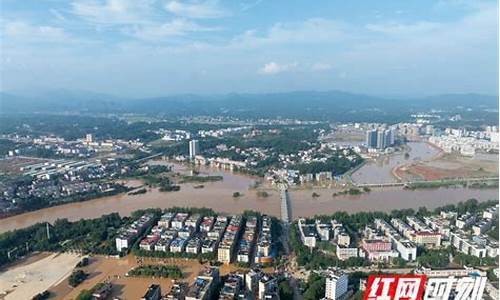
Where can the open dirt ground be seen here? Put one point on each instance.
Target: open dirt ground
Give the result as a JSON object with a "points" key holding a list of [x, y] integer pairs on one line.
{"points": [[36, 274], [450, 166]]}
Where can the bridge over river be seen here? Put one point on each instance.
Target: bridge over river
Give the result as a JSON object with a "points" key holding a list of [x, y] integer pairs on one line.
{"points": [[430, 182]]}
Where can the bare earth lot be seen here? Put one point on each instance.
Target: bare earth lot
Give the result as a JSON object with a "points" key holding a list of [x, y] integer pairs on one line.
{"points": [[450, 166], [35, 275]]}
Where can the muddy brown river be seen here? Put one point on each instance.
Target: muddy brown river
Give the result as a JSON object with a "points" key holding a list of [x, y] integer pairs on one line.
{"points": [[219, 197]]}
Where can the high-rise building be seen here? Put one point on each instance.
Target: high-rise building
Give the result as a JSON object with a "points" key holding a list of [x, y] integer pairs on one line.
{"points": [[336, 285], [89, 138], [194, 148], [381, 138], [387, 138], [371, 138], [392, 136]]}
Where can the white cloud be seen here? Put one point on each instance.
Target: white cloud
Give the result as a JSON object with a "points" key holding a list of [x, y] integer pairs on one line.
{"points": [[311, 31], [29, 32], [249, 4], [196, 10], [321, 67], [275, 68], [57, 15], [113, 11], [176, 27], [405, 29]]}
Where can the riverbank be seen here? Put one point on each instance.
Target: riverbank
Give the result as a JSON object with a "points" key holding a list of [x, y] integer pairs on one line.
{"points": [[219, 197]]}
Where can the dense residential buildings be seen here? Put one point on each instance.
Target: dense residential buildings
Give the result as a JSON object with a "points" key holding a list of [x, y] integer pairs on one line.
{"points": [[127, 235]]}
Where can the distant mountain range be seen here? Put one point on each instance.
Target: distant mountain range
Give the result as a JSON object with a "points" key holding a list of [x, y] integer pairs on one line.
{"points": [[303, 104]]}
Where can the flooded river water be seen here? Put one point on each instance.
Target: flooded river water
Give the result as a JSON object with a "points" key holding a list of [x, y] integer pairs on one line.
{"points": [[379, 170], [219, 197]]}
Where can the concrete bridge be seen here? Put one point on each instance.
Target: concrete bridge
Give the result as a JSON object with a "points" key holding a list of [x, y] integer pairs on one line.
{"points": [[443, 181], [285, 209]]}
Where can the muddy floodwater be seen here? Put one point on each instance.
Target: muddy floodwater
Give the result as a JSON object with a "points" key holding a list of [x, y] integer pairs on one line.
{"points": [[219, 197], [380, 170]]}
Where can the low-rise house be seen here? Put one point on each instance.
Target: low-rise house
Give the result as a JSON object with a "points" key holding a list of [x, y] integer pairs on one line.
{"points": [[178, 245], [204, 285], [481, 226], [346, 252], [193, 245], [163, 245], [178, 220]]}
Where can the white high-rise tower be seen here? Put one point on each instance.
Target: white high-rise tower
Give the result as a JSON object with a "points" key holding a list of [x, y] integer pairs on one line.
{"points": [[194, 148]]}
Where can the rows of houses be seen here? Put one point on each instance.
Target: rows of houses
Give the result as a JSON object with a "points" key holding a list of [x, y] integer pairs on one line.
{"points": [[333, 231], [227, 239], [385, 240], [126, 236]]}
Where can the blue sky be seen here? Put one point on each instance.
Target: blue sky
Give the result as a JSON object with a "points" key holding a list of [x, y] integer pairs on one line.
{"points": [[148, 48]]}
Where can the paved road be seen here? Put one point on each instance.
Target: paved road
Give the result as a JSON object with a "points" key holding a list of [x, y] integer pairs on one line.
{"points": [[457, 180], [285, 210]]}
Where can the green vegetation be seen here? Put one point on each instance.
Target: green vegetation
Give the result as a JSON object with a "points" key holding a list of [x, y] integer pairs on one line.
{"points": [[41, 296], [138, 192], [285, 290], [163, 183], [34, 203], [433, 184], [262, 194], [352, 192], [77, 277], [236, 194], [6, 146], [200, 179], [87, 294], [316, 259], [315, 195], [474, 261], [483, 185], [434, 258], [337, 164], [327, 246], [450, 183], [139, 170], [315, 288], [491, 275], [169, 187], [493, 232], [89, 236], [157, 271], [399, 262]]}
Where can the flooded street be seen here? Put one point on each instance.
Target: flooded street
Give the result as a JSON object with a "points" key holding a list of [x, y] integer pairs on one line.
{"points": [[379, 171]]}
